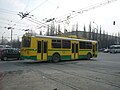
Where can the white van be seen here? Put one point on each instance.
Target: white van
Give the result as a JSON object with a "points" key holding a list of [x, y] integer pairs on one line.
{"points": [[115, 49]]}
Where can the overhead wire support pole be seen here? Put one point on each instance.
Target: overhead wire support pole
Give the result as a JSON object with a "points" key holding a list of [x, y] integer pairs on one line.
{"points": [[11, 36], [10, 28], [2, 38]]}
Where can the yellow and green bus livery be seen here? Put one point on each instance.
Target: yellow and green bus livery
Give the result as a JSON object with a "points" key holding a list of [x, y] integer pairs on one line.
{"points": [[54, 48]]}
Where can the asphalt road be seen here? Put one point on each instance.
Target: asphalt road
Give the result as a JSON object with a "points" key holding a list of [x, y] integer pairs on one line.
{"points": [[102, 73]]}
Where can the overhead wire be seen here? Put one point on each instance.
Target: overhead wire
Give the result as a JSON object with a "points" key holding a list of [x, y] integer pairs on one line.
{"points": [[38, 6], [35, 21], [23, 15], [38, 21], [14, 28], [81, 11], [28, 1], [57, 6], [8, 10], [4, 22], [10, 25], [5, 12], [97, 5], [73, 13]]}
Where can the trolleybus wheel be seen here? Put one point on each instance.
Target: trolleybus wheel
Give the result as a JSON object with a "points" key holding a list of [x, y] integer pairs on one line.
{"points": [[88, 56], [56, 58]]}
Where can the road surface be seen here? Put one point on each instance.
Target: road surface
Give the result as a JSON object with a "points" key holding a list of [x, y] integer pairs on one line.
{"points": [[102, 73]]}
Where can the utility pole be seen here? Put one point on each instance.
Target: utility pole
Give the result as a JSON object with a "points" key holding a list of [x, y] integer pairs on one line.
{"points": [[11, 36], [2, 38], [10, 28]]}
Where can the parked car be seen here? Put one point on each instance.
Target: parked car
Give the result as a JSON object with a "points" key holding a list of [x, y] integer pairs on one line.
{"points": [[101, 50], [5, 46], [106, 50], [7, 53]]}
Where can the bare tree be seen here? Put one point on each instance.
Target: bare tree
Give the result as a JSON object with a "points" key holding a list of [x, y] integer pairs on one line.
{"points": [[84, 32], [77, 29], [89, 35], [48, 30]]}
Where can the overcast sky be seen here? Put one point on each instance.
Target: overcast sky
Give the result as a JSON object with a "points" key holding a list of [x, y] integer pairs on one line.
{"points": [[41, 9]]}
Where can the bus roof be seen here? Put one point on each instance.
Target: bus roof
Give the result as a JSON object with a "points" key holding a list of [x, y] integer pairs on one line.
{"points": [[115, 46], [65, 38]]}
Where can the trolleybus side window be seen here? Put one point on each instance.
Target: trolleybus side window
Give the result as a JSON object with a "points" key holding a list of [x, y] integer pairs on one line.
{"points": [[85, 45], [82, 45], [88, 45], [66, 44], [56, 43]]}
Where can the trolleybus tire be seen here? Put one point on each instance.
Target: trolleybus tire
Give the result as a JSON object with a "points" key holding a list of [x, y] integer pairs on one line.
{"points": [[56, 58], [89, 56]]}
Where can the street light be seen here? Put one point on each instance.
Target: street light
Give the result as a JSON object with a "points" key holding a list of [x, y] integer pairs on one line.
{"points": [[10, 28]]}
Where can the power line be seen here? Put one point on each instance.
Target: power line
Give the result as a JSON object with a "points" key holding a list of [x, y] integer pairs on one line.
{"points": [[6, 20], [23, 15], [5, 12], [69, 15], [8, 10], [38, 6], [26, 5], [35, 21], [81, 11], [18, 24], [76, 13], [56, 8]]}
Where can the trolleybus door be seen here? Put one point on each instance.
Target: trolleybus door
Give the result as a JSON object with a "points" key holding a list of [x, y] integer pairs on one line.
{"points": [[42, 50], [94, 49], [74, 50]]}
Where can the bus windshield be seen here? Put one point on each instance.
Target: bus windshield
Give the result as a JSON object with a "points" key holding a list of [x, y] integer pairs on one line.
{"points": [[26, 42]]}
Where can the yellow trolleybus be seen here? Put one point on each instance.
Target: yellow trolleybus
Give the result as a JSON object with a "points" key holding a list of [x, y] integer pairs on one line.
{"points": [[54, 48]]}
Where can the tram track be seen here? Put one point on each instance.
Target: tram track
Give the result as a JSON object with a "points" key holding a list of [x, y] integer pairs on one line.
{"points": [[90, 68], [79, 76], [56, 80], [74, 87]]}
